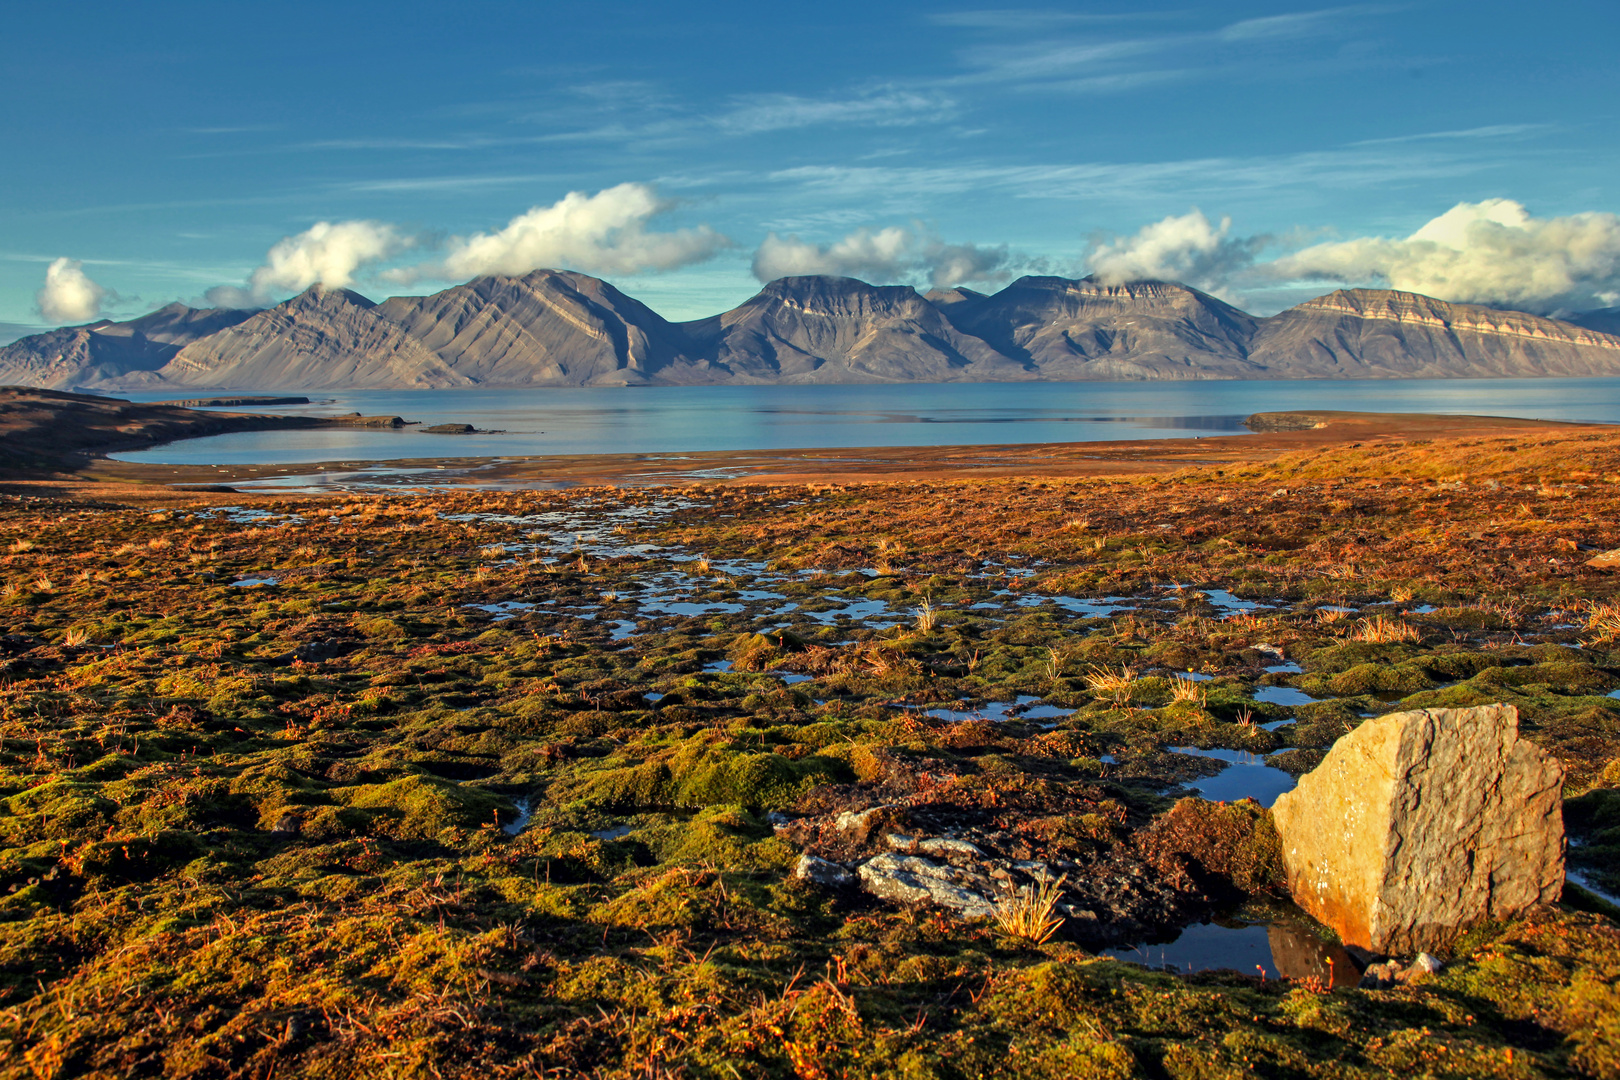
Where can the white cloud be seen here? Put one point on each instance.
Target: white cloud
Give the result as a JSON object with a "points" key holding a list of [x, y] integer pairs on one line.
{"points": [[1491, 252], [1188, 249], [68, 295], [886, 255], [605, 233], [886, 108], [326, 253]]}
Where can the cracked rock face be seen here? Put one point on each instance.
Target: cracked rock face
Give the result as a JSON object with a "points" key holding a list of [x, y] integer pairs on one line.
{"points": [[1420, 824]]}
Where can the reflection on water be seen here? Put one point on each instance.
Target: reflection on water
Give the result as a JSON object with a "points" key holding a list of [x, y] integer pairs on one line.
{"points": [[1285, 947], [1207, 947], [675, 420]]}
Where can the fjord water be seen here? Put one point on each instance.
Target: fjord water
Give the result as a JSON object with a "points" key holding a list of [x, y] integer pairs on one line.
{"points": [[670, 420]]}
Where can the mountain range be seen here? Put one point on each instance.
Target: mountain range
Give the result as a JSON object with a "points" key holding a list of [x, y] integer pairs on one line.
{"points": [[560, 328]]}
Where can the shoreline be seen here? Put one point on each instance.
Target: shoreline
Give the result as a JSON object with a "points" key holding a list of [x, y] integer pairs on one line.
{"points": [[1279, 434]]}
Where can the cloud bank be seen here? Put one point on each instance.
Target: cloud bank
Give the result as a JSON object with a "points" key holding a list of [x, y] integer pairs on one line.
{"points": [[68, 295], [327, 253], [886, 255], [1491, 252], [605, 233], [1188, 249]]}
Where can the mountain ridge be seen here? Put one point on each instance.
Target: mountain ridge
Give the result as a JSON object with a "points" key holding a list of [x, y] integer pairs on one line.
{"points": [[563, 328]]}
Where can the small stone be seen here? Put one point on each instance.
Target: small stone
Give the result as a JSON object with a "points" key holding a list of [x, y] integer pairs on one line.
{"points": [[288, 825], [819, 871], [858, 824], [1420, 824], [1428, 965], [1606, 560]]}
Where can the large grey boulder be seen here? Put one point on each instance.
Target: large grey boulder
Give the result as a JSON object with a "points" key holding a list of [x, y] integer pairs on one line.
{"points": [[1420, 824]]}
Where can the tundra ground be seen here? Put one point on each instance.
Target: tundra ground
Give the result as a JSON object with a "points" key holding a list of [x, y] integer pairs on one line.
{"points": [[491, 785]]}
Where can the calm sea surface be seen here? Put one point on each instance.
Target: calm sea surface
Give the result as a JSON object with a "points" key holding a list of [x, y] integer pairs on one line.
{"points": [[687, 419]]}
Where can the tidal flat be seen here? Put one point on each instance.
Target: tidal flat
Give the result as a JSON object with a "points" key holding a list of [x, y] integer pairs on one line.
{"points": [[516, 783]]}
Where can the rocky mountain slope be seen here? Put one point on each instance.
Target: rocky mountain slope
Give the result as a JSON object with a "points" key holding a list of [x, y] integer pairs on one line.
{"points": [[827, 329], [320, 339], [1379, 333], [548, 327], [107, 351], [1086, 330], [558, 328]]}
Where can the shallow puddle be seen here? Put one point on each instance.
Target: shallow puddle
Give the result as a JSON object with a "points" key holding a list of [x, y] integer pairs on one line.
{"points": [[250, 582], [1206, 947], [860, 610], [1282, 949], [506, 609], [517, 824], [1231, 605], [1246, 776], [687, 608], [1107, 606], [1581, 878], [1286, 696], [1024, 707]]}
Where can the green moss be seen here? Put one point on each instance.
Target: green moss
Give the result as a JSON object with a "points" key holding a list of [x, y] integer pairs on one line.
{"points": [[423, 807]]}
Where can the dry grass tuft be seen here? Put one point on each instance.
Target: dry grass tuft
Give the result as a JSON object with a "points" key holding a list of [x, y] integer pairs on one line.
{"points": [[927, 616], [1383, 630], [1603, 621], [1189, 690], [1105, 680], [1027, 914]]}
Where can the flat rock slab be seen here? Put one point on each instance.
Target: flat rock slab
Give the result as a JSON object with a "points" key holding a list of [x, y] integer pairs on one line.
{"points": [[1420, 824], [911, 879]]}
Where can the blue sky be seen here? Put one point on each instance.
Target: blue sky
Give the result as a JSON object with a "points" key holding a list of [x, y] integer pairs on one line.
{"points": [[166, 148]]}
